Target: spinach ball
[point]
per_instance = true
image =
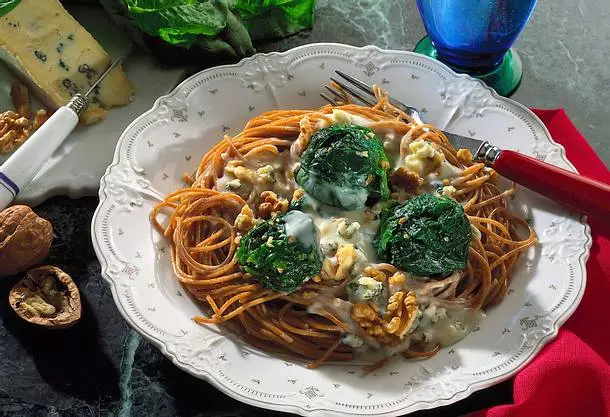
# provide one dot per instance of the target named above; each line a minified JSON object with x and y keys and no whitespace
{"x":425,"y":236}
{"x":345,"y":166}
{"x":283,"y":252}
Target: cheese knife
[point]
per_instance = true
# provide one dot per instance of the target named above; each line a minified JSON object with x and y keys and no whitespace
{"x":21,"y":167}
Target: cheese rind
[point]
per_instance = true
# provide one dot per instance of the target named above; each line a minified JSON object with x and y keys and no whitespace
{"x":58,"y":58}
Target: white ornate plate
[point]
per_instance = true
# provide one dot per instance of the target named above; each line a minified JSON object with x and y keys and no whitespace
{"x":169,"y":139}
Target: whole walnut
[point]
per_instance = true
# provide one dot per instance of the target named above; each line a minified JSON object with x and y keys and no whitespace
{"x":25,"y":239}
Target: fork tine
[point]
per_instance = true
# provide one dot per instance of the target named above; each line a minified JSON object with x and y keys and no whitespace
{"x":411,"y":111}
{"x":362,"y":85}
{"x":330,"y":100}
{"x":353,"y":92}
{"x":335,"y":93}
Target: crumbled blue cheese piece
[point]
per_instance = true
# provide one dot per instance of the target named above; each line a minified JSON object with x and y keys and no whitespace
{"x":328,"y":246}
{"x":448,"y":191}
{"x":439,"y":325}
{"x":423,"y":154}
{"x":339,"y":116}
{"x":370,"y":284}
{"x":352,"y":340}
{"x":266,"y":174}
{"x":364,"y":289}
{"x":346,"y":229}
{"x":342,"y":117}
{"x":240,"y":172}
{"x":433,"y":313}
{"x":233,"y":185}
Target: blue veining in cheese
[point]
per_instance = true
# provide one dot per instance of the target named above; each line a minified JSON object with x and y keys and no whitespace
{"x":58,"y":57}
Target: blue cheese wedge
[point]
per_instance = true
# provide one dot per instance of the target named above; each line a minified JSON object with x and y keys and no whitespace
{"x":50,"y":50}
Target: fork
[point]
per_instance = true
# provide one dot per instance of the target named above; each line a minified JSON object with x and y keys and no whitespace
{"x":586,"y":195}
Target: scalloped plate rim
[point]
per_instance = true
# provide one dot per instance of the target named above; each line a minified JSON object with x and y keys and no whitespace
{"x":419,"y":405}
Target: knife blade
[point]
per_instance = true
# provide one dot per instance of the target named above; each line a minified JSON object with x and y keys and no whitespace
{"x":475,"y":146}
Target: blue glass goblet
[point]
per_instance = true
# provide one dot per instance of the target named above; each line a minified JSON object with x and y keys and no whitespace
{"x":475,"y":37}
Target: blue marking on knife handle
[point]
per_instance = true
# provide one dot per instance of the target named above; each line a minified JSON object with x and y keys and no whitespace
{"x":8,"y":183}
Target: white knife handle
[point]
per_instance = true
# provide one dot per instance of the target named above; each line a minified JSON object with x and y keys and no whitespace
{"x":21,"y":167}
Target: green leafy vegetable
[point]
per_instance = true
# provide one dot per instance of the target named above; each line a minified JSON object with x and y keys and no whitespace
{"x":282,"y":252}
{"x":426,"y":236}
{"x":344,"y":166}
{"x":183,"y":31}
{"x":268,"y":19}
{"x":7,"y":5}
{"x":179,"y":22}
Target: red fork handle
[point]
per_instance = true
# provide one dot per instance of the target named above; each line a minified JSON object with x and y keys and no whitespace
{"x":584,"y":194}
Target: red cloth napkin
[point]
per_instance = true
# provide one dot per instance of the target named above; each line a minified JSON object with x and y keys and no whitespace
{"x":571,"y":376}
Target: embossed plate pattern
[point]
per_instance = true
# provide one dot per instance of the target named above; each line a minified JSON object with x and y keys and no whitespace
{"x":169,"y":140}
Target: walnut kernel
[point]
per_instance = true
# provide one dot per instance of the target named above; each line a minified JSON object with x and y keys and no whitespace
{"x":298,"y":193}
{"x":395,"y":324}
{"x":20,"y":96}
{"x":245,"y":219}
{"x":379,"y":276}
{"x":47,"y":296}
{"x":366,"y":317}
{"x":402,"y":311}
{"x":346,"y":257}
{"x":464,"y":156}
{"x":14,"y":130}
{"x":40,"y":117}
{"x":271,"y":205}
{"x":406,"y":179}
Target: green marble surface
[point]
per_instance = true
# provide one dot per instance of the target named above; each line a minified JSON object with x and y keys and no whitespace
{"x":101,"y":367}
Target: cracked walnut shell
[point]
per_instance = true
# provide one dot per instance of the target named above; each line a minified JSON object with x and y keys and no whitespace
{"x":47,"y":296}
{"x":25,"y":239}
